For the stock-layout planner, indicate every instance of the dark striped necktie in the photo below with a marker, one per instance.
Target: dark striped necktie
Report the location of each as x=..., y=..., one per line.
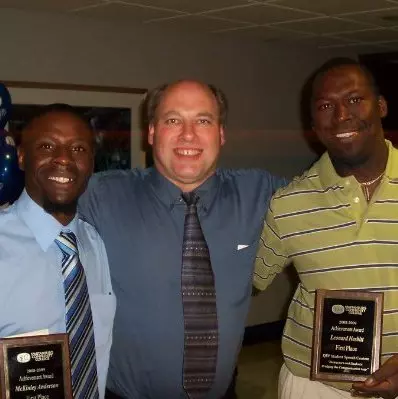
x=200, y=307
x=79, y=322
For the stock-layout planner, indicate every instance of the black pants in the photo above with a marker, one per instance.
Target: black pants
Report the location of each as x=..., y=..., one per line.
x=110, y=395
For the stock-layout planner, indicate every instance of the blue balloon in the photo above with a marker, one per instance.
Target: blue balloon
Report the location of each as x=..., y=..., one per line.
x=5, y=106
x=11, y=177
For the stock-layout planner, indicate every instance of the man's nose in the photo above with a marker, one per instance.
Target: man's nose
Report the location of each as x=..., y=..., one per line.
x=188, y=131
x=342, y=112
x=63, y=155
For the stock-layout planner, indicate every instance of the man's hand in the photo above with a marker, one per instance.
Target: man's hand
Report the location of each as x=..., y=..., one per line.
x=383, y=382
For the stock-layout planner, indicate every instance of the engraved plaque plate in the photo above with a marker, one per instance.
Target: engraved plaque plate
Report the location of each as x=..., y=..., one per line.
x=35, y=367
x=347, y=335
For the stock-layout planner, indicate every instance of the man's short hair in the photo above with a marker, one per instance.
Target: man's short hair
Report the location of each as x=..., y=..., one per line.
x=342, y=62
x=154, y=97
x=56, y=107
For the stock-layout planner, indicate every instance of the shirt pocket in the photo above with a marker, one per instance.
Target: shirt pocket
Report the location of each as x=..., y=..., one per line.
x=249, y=236
x=246, y=248
x=245, y=252
x=247, y=245
x=103, y=307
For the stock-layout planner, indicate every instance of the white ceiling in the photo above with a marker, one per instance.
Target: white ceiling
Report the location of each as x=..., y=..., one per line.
x=324, y=23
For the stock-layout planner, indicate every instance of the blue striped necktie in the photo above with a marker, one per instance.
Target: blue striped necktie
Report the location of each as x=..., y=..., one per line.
x=199, y=305
x=79, y=322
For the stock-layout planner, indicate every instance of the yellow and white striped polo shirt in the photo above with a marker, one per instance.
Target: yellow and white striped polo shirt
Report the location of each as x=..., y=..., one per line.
x=322, y=223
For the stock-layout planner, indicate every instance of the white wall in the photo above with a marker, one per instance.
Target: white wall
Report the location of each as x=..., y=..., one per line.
x=262, y=82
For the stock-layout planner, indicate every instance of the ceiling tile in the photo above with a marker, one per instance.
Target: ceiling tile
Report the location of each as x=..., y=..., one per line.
x=124, y=12
x=386, y=18
x=332, y=7
x=191, y=6
x=262, y=33
x=371, y=36
x=323, y=25
x=287, y=20
x=197, y=23
x=48, y=5
x=391, y=45
x=360, y=48
x=372, y=48
x=323, y=41
x=261, y=14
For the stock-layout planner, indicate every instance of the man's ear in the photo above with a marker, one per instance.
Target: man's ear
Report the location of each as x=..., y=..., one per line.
x=151, y=133
x=21, y=158
x=383, y=107
x=222, y=136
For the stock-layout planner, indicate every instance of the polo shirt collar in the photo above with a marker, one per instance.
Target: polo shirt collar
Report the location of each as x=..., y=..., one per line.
x=329, y=176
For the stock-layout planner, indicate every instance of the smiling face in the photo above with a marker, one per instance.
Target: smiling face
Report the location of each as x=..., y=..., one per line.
x=186, y=135
x=57, y=155
x=346, y=114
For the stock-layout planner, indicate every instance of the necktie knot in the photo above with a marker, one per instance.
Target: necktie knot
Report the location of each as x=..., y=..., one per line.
x=67, y=240
x=190, y=198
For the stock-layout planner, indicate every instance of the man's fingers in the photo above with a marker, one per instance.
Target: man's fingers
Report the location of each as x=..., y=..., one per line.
x=383, y=386
x=359, y=394
x=387, y=370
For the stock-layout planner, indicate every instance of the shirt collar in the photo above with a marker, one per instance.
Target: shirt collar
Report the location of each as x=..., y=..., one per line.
x=170, y=194
x=329, y=176
x=44, y=227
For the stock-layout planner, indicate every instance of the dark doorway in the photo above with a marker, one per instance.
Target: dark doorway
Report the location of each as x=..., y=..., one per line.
x=384, y=67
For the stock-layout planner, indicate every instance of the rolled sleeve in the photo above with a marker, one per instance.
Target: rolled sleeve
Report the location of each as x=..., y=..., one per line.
x=271, y=256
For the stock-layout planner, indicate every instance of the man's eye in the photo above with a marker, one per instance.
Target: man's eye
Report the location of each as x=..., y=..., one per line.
x=324, y=107
x=355, y=100
x=46, y=146
x=204, y=121
x=171, y=121
x=78, y=148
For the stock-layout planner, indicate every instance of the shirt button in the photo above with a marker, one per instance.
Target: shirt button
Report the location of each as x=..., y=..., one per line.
x=347, y=182
x=356, y=200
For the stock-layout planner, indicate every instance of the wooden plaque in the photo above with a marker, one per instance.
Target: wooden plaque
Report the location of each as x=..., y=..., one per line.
x=347, y=335
x=35, y=367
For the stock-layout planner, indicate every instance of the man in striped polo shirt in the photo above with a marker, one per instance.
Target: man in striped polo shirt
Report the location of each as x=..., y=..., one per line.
x=338, y=224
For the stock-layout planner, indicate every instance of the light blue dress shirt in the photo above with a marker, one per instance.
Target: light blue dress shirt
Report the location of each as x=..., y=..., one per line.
x=31, y=284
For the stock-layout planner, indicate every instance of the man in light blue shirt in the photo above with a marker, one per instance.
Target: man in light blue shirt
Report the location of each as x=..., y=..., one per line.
x=57, y=157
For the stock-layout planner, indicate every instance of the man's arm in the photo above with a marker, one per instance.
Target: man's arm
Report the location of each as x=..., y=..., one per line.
x=88, y=207
x=274, y=183
x=278, y=182
x=271, y=255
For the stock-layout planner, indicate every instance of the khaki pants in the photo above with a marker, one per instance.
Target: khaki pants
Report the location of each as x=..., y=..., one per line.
x=292, y=387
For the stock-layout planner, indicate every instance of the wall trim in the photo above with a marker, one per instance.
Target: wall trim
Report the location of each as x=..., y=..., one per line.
x=70, y=86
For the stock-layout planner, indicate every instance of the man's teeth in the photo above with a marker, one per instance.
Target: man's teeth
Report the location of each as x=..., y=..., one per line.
x=60, y=179
x=346, y=135
x=188, y=152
